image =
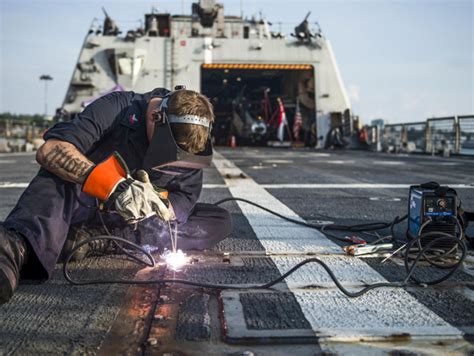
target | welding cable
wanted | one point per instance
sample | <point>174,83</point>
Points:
<point>374,226</point>
<point>118,246</point>
<point>99,213</point>
<point>358,228</point>
<point>440,234</point>
<point>422,253</point>
<point>268,285</point>
<point>151,263</point>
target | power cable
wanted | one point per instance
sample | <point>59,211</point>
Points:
<point>353,228</point>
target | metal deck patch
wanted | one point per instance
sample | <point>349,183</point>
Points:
<point>265,318</point>
<point>382,314</point>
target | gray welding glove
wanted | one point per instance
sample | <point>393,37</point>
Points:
<point>137,200</point>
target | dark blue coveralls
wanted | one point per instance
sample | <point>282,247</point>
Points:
<point>115,122</point>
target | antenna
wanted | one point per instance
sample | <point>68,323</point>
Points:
<point>105,12</point>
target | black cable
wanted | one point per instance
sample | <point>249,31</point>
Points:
<point>324,227</point>
<point>115,242</point>
<point>423,252</point>
<point>375,226</point>
<point>151,263</point>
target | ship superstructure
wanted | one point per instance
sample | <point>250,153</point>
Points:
<point>241,65</point>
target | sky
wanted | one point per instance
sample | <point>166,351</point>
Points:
<point>403,61</point>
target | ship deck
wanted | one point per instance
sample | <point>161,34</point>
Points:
<point>303,315</point>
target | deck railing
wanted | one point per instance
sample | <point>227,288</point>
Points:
<point>466,134</point>
<point>443,135</point>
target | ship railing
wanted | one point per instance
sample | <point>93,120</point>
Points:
<point>442,135</point>
<point>466,134</point>
<point>415,136</point>
<point>392,138</point>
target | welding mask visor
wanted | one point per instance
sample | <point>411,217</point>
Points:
<point>163,151</point>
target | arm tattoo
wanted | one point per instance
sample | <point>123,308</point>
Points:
<point>60,158</point>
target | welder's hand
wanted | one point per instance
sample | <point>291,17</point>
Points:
<point>138,201</point>
<point>134,200</point>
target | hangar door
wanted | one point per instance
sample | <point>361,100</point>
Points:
<point>246,100</point>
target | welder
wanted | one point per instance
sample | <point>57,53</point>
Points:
<point>96,159</point>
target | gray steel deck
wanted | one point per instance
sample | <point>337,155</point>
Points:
<point>344,187</point>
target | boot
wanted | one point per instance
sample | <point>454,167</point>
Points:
<point>78,234</point>
<point>13,255</point>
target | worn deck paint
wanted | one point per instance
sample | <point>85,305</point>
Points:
<point>380,314</point>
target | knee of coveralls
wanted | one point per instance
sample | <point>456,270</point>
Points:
<point>43,215</point>
<point>206,227</point>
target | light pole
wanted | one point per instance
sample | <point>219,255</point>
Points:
<point>46,78</point>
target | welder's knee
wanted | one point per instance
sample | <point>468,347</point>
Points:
<point>224,224</point>
<point>218,226</point>
<point>206,227</point>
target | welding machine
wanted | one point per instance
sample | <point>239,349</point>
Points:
<point>432,212</point>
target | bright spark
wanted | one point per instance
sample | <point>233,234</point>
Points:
<point>175,260</point>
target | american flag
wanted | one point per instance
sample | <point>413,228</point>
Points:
<point>297,122</point>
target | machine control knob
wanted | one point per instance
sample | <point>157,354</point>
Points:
<point>442,203</point>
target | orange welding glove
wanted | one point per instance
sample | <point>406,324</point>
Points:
<point>104,177</point>
<point>134,200</point>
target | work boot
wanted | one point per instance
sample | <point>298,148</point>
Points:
<point>78,234</point>
<point>13,254</point>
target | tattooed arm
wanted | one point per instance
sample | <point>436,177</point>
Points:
<point>63,159</point>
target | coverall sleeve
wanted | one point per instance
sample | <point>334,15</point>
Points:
<point>184,191</point>
<point>89,126</point>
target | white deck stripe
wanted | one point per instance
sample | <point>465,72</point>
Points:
<point>332,315</point>
<point>13,185</point>
<point>353,186</point>
<point>291,186</point>
<point>340,186</point>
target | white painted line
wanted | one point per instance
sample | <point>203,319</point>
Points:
<point>389,163</point>
<point>339,162</point>
<point>278,161</point>
<point>6,161</point>
<point>13,185</point>
<point>384,199</point>
<point>372,317</point>
<point>259,167</point>
<point>16,154</point>
<point>434,163</point>
<point>294,186</point>
<point>6,185</point>
<point>213,186</point>
<point>333,316</point>
<point>349,270</point>
<point>352,186</point>
<point>303,239</point>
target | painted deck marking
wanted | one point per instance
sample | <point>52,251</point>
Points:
<point>13,185</point>
<point>331,314</point>
<point>353,186</point>
<point>339,186</point>
<point>290,186</point>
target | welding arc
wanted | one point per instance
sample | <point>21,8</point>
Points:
<point>355,228</point>
<point>269,285</point>
<point>151,263</point>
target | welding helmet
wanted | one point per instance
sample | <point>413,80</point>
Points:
<point>163,151</point>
